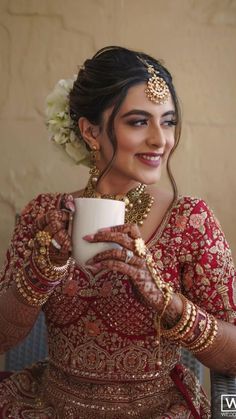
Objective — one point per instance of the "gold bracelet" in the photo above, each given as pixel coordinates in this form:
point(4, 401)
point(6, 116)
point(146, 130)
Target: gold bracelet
point(26, 292)
point(206, 338)
point(210, 340)
point(184, 332)
point(173, 333)
point(202, 337)
point(41, 259)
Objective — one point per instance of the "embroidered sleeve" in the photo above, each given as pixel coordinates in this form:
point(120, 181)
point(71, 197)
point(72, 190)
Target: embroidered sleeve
point(17, 251)
point(208, 273)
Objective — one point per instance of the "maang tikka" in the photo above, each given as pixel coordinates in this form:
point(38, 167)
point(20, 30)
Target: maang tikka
point(157, 89)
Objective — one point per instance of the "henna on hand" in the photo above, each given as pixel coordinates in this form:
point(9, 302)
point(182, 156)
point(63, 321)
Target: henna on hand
point(114, 260)
point(16, 315)
point(141, 279)
point(58, 223)
point(123, 234)
point(117, 254)
point(173, 312)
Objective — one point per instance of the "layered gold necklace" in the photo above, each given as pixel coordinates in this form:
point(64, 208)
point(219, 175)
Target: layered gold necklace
point(138, 202)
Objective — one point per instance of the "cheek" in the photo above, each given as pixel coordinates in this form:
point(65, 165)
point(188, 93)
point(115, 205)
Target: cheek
point(127, 145)
point(128, 140)
point(170, 142)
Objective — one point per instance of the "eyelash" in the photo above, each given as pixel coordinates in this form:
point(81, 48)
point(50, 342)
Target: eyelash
point(170, 123)
point(138, 122)
point(141, 122)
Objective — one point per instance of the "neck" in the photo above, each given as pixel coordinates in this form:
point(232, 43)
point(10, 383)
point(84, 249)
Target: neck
point(114, 186)
point(137, 201)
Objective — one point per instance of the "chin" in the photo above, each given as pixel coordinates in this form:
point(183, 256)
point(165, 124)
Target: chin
point(150, 179)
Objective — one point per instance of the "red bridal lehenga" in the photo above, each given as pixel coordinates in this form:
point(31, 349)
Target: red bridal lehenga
point(102, 343)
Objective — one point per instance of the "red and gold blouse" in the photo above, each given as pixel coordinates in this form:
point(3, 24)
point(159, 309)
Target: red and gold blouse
point(101, 337)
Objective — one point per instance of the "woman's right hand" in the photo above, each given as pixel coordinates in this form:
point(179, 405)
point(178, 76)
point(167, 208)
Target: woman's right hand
point(58, 223)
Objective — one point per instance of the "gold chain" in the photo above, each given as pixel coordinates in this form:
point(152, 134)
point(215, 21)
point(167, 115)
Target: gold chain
point(138, 202)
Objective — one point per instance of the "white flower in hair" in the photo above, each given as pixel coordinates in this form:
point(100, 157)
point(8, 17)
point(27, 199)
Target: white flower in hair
point(60, 124)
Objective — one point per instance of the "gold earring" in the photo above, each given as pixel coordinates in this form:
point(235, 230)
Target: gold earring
point(94, 154)
point(94, 158)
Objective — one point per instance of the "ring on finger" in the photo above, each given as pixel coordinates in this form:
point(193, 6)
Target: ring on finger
point(140, 247)
point(129, 255)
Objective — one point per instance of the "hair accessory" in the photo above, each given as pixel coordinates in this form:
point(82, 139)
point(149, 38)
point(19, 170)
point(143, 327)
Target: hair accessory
point(60, 125)
point(157, 89)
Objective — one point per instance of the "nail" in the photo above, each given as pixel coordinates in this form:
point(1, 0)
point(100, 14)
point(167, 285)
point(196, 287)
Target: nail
point(70, 206)
point(89, 237)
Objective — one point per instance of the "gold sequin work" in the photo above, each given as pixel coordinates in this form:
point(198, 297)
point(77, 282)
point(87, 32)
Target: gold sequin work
point(102, 342)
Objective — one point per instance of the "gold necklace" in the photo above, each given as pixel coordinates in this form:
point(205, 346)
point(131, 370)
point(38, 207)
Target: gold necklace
point(138, 202)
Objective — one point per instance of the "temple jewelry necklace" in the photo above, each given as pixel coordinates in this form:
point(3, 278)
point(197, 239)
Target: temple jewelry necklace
point(138, 203)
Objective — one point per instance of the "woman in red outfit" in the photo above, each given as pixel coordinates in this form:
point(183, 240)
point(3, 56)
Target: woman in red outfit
point(116, 327)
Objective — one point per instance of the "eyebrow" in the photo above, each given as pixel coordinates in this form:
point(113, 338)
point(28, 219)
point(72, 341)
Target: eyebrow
point(145, 113)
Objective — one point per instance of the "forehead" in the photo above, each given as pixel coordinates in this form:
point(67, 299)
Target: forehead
point(136, 98)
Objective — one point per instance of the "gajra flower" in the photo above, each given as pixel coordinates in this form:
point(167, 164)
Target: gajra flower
point(60, 125)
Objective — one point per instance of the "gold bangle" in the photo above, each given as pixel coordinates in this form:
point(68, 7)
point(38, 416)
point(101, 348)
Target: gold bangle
point(210, 339)
point(43, 265)
point(184, 332)
point(207, 337)
point(173, 333)
point(202, 337)
point(26, 292)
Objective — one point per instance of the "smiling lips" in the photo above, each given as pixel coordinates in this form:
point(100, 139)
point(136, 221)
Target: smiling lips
point(150, 159)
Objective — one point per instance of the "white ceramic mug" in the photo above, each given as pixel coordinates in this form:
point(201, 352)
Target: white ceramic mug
point(91, 214)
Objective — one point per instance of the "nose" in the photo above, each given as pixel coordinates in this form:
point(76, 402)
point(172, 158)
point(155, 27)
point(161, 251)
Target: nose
point(156, 137)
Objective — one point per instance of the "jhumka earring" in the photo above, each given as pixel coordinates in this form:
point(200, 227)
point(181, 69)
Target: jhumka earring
point(94, 158)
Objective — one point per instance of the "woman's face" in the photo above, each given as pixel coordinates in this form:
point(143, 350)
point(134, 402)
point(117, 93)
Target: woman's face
point(145, 136)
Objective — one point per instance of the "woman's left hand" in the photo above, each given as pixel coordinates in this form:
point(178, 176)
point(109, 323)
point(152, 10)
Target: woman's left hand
point(126, 260)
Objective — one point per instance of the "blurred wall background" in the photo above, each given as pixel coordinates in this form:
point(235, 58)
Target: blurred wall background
point(44, 41)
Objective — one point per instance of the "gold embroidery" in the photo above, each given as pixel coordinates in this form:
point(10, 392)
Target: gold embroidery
point(104, 341)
